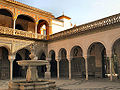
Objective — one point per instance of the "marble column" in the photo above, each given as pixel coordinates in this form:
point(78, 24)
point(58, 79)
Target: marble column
point(58, 75)
point(11, 59)
point(110, 63)
point(36, 24)
point(86, 67)
point(69, 69)
point(109, 55)
point(14, 23)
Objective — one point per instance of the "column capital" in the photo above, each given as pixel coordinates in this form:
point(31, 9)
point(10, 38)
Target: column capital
point(11, 57)
point(85, 57)
point(15, 17)
point(109, 53)
point(69, 61)
point(36, 22)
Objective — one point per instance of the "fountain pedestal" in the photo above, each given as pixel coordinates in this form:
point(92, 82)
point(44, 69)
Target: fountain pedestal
point(31, 74)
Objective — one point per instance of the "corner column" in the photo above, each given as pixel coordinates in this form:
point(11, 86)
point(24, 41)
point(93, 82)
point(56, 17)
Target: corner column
point(86, 67)
point(11, 59)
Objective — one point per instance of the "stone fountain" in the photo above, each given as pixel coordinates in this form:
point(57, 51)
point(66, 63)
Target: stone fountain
point(32, 82)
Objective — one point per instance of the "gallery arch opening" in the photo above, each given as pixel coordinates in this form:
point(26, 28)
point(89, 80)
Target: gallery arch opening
point(77, 62)
point(6, 19)
point(53, 63)
point(116, 58)
point(98, 65)
point(25, 23)
point(4, 64)
point(63, 64)
point(19, 71)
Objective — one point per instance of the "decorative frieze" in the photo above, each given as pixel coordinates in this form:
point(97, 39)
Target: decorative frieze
point(85, 27)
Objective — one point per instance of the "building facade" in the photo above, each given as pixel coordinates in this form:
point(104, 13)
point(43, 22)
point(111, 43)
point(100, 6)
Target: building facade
point(88, 50)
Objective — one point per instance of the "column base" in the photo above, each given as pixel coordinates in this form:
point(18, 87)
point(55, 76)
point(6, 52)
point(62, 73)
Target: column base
point(47, 75)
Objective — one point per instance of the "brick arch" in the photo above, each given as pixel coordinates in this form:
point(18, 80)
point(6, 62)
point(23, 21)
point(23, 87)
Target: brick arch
point(27, 16)
point(21, 12)
point(9, 10)
point(41, 23)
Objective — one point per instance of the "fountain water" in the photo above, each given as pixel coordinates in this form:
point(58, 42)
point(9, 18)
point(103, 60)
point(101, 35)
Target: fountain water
point(32, 82)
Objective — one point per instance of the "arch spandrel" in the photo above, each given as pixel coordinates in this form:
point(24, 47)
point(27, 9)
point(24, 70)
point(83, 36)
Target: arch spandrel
point(21, 12)
point(16, 46)
point(43, 18)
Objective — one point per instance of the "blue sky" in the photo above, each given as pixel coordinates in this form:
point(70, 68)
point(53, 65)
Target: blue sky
point(81, 11)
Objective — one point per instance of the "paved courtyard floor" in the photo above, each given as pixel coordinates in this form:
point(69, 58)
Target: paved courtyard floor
point(77, 84)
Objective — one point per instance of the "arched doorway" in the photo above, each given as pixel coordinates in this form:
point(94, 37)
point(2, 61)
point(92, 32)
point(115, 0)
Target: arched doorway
point(42, 69)
point(116, 57)
point(53, 63)
point(4, 64)
point(25, 23)
point(6, 19)
point(43, 27)
point(19, 71)
point(97, 62)
point(64, 64)
point(77, 62)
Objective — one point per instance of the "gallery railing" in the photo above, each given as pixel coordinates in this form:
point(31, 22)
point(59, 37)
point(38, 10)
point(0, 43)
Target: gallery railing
point(92, 25)
point(27, 34)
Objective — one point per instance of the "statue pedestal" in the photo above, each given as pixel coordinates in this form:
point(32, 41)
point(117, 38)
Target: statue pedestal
point(47, 75)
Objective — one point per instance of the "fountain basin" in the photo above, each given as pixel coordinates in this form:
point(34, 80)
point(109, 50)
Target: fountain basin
point(32, 85)
point(32, 62)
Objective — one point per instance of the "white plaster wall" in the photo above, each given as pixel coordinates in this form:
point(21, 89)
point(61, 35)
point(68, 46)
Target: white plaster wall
point(58, 26)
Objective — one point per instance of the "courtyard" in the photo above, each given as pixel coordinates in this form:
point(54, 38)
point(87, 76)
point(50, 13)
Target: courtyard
point(77, 84)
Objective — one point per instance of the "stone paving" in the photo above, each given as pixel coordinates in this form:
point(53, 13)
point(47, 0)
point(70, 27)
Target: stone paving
point(78, 84)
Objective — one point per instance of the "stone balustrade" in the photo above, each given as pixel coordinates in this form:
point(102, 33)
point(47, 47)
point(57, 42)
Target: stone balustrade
point(10, 31)
point(92, 25)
